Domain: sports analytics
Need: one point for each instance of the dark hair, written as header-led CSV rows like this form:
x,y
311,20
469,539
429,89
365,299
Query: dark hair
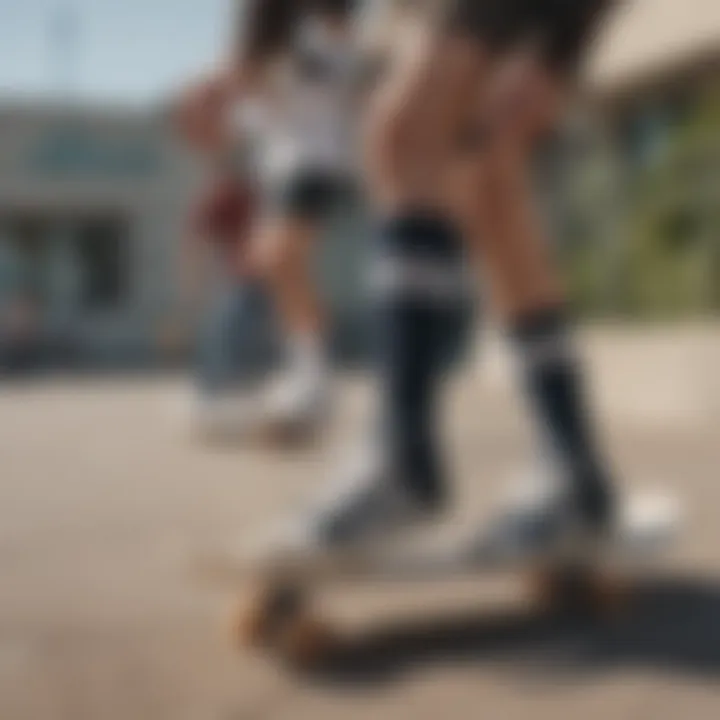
x,y
264,27
333,7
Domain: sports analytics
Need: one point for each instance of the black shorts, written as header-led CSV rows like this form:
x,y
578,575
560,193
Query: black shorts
x,y
312,194
563,28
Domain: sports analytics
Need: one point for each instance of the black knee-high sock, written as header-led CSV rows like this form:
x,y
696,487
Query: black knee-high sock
x,y
419,292
554,385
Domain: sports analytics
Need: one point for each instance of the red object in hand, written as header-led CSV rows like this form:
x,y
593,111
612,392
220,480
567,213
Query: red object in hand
x,y
224,217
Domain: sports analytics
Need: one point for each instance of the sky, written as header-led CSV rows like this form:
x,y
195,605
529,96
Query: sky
x,y
107,51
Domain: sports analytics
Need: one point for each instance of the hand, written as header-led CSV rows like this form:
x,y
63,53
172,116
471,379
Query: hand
x,y
200,113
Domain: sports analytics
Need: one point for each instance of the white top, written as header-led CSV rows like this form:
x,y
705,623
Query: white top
x,y
306,120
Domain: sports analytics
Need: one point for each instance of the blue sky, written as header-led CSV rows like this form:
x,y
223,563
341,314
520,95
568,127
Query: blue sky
x,y
126,51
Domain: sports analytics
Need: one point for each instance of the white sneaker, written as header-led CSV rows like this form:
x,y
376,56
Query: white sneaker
x,y
539,519
363,512
296,401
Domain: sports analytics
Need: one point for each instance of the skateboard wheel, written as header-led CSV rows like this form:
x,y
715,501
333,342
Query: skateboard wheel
x,y
610,595
579,589
306,642
252,627
264,617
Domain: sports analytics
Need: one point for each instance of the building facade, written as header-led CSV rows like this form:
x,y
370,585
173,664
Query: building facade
x,y
91,219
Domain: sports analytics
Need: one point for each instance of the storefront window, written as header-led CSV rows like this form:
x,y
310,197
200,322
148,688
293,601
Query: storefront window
x,y
101,251
69,264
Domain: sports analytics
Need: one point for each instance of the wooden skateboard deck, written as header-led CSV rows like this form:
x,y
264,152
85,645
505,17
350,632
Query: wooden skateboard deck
x,y
276,611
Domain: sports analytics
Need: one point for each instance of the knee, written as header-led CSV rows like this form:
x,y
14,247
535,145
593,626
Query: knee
x,y
275,262
278,259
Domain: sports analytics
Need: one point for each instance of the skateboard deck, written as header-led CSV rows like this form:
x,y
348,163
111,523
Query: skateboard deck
x,y
277,594
234,423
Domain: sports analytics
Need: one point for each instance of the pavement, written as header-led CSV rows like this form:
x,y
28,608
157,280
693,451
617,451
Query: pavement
x,y
106,498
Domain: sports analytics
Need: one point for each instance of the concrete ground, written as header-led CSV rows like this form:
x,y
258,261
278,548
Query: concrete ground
x,y
105,501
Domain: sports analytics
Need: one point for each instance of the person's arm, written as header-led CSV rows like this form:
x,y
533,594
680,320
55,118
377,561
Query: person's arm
x,y
264,30
202,112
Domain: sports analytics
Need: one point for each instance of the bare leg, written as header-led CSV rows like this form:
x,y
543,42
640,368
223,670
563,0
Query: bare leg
x,y
526,292
415,119
506,229
283,254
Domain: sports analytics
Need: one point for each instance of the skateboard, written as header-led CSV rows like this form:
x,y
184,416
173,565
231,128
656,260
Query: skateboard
x,y
277,610
234,422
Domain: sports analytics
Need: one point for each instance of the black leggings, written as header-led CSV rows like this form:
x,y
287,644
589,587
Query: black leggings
x,y
413,330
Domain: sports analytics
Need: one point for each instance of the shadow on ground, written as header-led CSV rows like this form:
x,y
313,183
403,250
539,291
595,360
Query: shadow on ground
x,y
670,626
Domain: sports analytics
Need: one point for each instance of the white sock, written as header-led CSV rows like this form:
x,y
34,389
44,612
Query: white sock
x,y
306,357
